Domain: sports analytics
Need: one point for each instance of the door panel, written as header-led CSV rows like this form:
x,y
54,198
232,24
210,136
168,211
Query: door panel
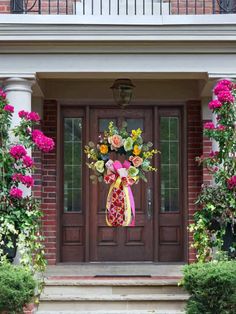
x,y
123,243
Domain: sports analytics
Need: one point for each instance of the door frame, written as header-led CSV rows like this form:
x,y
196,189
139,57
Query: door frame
x,y
184,170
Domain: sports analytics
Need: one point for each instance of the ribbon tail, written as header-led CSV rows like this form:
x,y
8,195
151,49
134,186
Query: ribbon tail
x,y
108,204
128,214
131,198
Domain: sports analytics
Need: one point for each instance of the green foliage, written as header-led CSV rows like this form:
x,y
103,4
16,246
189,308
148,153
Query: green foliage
x,y
212,287
20,217
217,202
17,288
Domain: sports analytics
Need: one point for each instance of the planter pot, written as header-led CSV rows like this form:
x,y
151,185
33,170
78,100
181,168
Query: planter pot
x,y
10,252
230,239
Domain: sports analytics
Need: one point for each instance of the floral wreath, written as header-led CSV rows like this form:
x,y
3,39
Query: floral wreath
x,y
120,204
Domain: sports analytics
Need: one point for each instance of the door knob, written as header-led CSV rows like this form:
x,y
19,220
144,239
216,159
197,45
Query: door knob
x,y
149,203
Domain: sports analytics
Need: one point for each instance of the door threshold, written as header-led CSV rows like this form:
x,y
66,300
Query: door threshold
x,y
121,263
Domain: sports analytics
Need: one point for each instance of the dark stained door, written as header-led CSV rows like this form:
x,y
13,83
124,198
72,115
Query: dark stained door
x,y
159,232
123,243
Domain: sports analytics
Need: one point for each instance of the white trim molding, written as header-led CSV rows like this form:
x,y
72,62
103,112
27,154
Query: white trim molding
x,y
76,28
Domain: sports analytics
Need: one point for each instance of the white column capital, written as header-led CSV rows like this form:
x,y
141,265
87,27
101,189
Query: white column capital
x,y
18,84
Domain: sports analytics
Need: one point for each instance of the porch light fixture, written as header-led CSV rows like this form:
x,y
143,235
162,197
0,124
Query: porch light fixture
x,y
122,92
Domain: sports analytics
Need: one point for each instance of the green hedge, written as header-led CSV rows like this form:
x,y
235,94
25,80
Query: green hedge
x,y
17,287
212,287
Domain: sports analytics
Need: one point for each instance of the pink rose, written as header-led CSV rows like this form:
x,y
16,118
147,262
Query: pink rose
x,y
225,96
209,126
33,116
44,143
220,127
16,193
137,161
27,180
17,177
27,161
116,141
8,108
36,133
2,94
231,183
214,104
23,114
17,151
223,85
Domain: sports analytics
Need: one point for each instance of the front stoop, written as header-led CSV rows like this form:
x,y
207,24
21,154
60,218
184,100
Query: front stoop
x,y
112,295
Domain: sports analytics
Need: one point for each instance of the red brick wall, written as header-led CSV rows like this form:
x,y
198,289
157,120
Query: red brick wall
x,y
195,174
49,127
4,6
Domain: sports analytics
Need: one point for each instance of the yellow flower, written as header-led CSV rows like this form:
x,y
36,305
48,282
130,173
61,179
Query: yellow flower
x,y
104,149
136,133
136,150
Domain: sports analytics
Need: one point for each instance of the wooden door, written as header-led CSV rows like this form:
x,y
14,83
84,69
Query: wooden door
x,y
158,234
123,243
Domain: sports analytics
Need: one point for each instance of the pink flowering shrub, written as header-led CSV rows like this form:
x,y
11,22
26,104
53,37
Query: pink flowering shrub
x,y
20,215
217,202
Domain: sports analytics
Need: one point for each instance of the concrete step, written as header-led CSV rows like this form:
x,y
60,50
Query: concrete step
x,y
151,302
111,286
104,295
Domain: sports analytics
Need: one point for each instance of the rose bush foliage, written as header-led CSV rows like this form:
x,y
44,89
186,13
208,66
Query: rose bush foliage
x,y
20,215
217,202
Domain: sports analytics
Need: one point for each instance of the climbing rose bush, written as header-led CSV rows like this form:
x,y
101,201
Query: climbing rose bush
x,y
217,202
20,216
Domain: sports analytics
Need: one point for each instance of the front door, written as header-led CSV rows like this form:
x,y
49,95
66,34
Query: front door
x,y
158,234
130,243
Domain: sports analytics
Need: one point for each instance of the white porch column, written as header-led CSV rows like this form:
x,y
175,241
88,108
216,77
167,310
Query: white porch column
x,y
19,93
215,145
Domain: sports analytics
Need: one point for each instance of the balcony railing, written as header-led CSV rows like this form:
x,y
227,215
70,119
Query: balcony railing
x,y
122,7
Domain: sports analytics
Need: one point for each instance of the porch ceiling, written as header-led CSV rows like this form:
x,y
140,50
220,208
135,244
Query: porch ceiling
x,y
95,91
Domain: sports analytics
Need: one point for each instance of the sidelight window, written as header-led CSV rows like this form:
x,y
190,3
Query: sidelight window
x,y
170,163
72,164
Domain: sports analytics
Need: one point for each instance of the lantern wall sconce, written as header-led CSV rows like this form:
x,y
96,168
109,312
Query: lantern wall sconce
x,y
122,92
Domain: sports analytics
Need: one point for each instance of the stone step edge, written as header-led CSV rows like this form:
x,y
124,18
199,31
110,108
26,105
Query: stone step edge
x,y
110,282
113,312
107,298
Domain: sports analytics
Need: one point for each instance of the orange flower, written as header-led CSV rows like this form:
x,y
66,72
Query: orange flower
x,y
136,150
104,149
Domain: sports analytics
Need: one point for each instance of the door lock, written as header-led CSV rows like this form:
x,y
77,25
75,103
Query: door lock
x,y
149,203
